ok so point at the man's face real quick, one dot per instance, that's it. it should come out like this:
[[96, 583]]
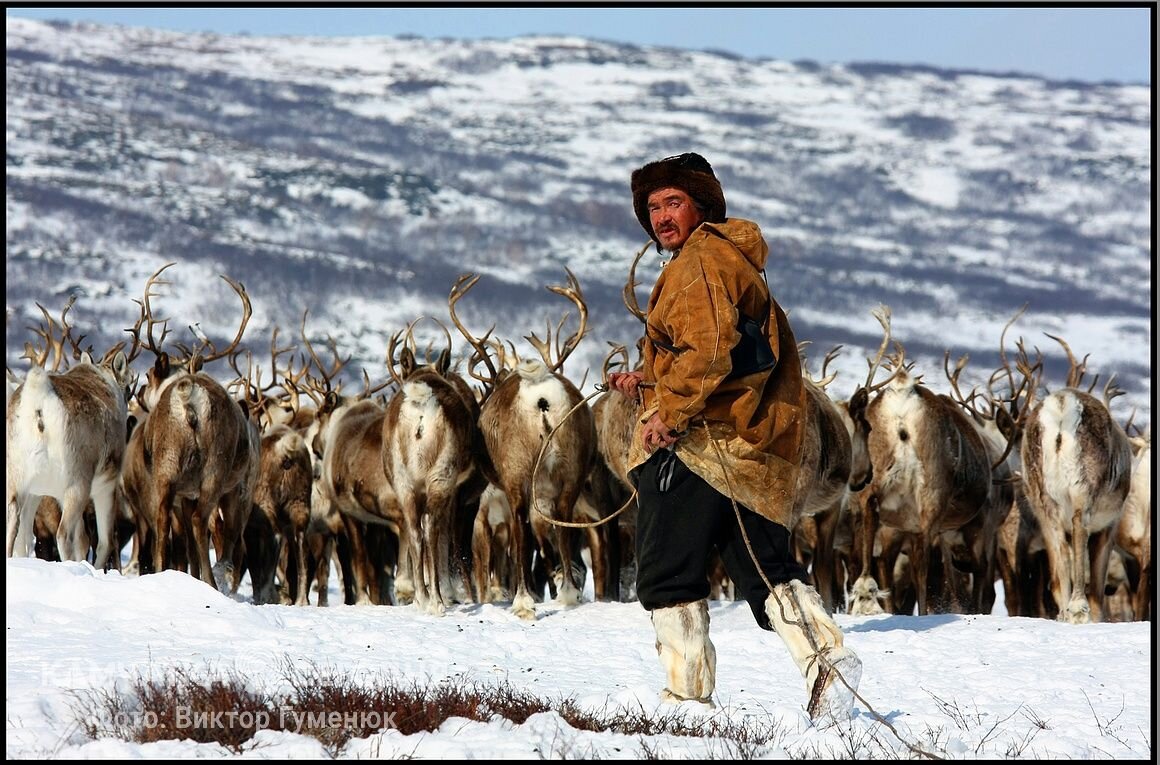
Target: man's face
[[673, 216]]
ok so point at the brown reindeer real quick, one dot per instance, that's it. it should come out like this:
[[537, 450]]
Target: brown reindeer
[[199, 449], [281, 514], [1077, 464], [609, 484], [974, 548], [535, 421], [1134, 534], [823, 480], [65, 439], [348, 435], [282, 538], [929, 470]]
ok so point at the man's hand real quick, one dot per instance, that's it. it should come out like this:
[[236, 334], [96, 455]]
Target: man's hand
[[626, 383], [656, 435]]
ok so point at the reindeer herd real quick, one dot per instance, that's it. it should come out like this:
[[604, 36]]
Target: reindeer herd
[[500, 481]]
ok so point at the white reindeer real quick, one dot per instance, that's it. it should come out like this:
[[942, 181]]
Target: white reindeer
[[430, 439], [1077, 465], [66, 440]]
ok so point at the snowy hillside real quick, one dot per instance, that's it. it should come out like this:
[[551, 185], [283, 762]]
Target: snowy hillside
[[357, 178]]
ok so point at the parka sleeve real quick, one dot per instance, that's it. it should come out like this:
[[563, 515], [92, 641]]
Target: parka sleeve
[[700, 315]]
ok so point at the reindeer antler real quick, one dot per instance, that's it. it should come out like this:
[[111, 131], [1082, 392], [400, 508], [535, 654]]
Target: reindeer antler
[[153, 345], [967, 402], [1076, 369], [629, 292], [207, 344], [882, 314], [562, 350], [618, 350], [480, 354], [324, 383]]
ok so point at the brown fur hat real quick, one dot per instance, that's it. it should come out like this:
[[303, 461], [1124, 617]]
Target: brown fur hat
[[689, 172]]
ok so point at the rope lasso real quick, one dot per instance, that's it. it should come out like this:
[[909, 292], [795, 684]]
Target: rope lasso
[[600, 388], [818, 655]]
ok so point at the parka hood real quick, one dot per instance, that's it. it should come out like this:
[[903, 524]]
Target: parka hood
[[745, 235]]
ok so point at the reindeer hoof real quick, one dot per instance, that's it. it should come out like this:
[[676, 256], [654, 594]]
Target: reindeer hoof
[[404, 593], [133, 569], [1078, 612], [525, 608], [223, 575], [568, 597]]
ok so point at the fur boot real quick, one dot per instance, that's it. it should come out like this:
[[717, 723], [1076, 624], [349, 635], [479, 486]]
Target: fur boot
[[686, 653], [814, 641]]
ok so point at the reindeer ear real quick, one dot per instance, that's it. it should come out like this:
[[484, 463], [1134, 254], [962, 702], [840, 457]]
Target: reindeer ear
[[858, 403], [407, 362], [444, 363], [1004, 422], [120, 367], [161, 366], [330, 403]]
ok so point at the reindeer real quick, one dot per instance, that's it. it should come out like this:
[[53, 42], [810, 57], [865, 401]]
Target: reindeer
[[430, 445], [199, 449], [974, 547], [1077, 464], [929, 470], [353, 491], [1015, 550], [66, 439], [823, 480], [535, 421], [281, 511], [609, 484], [279, 525], [1134, 534]]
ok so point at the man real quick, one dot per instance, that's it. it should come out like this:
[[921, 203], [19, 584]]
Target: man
[[717, 446]]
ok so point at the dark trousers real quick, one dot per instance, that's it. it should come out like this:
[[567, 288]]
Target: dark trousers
[[681, 519]]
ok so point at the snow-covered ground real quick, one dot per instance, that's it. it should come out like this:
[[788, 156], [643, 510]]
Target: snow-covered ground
[[964, 687]]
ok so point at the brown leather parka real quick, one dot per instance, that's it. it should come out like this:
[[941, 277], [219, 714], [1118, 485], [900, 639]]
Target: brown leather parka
[[743, 435]]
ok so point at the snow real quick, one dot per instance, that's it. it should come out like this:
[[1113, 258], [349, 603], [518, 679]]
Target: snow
[[965, 687]]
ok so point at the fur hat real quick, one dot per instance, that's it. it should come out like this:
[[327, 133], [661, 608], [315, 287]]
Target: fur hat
[[689, 172]]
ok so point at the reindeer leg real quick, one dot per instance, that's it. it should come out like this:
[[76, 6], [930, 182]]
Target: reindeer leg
[[322, 569], [200, 517], [481, 539], [523, 605], [1098, 571], [441, 514], [866, 530], [297, 541], [568, 593], [354, 563], [598, 551], [71, 537], [920, 570], [824, 558], [228, 541], [21, 519], [1059, 556], [411, 538], [1077, 609], [103, 491]]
